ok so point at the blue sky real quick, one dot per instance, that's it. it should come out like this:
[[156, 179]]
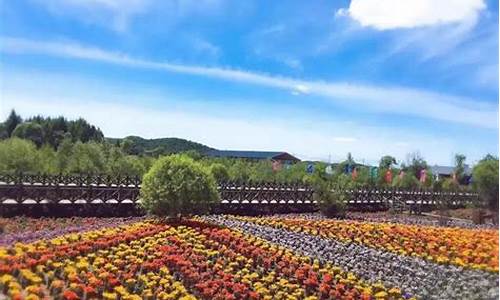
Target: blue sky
[[315, 78]]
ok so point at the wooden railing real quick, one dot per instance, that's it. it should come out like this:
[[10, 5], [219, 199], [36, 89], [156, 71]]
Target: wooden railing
[[63, 189]]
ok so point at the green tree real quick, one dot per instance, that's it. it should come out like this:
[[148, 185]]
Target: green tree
[[415, 163], [460, 167], [331, 198], [449, 185], [386, 162], [238, 170], [261, 171], [12, 121], [408, 181], [29, 131], [64, 155], [485, 181], [82, 131], [17, 155], [220, 172], [3, 131], [177, 185], [47, 160], [87, 158], [127, 146]]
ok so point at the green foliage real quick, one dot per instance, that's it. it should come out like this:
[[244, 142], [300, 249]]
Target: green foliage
[[64, 155], [460, 166], [29, 131], [135, 145], [450, 185], [51, 131], [17, 155], [485, 181], [177, 185], [47, 160], [386, 162], [331, 199], [415, 163], [87, 158], [409, 181], [120, 163], [220, 172], [11, 123], [3, 131], [21, 155], [239, 170]]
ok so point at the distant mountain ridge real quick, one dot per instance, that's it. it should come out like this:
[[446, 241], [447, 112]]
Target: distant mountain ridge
[[160, 146]]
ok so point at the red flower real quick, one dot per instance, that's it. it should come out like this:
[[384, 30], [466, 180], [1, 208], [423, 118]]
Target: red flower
[[70, 295]]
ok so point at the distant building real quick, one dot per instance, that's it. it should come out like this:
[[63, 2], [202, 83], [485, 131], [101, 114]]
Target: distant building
[[282, 157], [441, 172]]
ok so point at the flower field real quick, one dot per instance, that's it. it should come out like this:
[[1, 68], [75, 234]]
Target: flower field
[[228, 257]]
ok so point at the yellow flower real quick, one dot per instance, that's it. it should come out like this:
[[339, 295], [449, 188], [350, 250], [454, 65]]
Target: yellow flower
[[381, 295], [109, 296]]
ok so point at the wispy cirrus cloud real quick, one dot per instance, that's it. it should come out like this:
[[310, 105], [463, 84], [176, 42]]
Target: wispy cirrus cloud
[[396, 100], [118, 14], [114, 13]]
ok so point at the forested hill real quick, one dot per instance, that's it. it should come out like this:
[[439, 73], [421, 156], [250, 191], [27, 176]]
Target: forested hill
[[138, 145], [52, 131]]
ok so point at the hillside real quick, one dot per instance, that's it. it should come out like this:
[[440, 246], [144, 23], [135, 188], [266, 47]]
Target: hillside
[[138, 145]]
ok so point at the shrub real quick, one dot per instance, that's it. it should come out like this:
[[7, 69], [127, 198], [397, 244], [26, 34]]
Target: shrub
[[220, 172], [17, 155], [177, 185], [331, 203], [409, 181], [485, 181]]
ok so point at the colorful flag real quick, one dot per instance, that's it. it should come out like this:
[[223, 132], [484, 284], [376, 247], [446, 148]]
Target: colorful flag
[[354, 174], [388, 176], [276, 165], [401, 174], [423, 175], [310, 168]]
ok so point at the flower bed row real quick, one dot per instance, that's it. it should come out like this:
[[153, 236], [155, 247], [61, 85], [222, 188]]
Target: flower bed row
[[476, 249], [149, 260], [26, 230], [422, 278]]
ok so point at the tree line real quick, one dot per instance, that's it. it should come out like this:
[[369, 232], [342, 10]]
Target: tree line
[[60, 146]]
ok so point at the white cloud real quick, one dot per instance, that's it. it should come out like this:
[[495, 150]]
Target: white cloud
[[205, 47], [398, 100], [392, 14]]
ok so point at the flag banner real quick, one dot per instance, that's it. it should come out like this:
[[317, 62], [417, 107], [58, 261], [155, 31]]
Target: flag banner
[[423, 175], [310, 168], [401, 174], [276, 165], [388, 176], [354, 174], [349, 169]]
